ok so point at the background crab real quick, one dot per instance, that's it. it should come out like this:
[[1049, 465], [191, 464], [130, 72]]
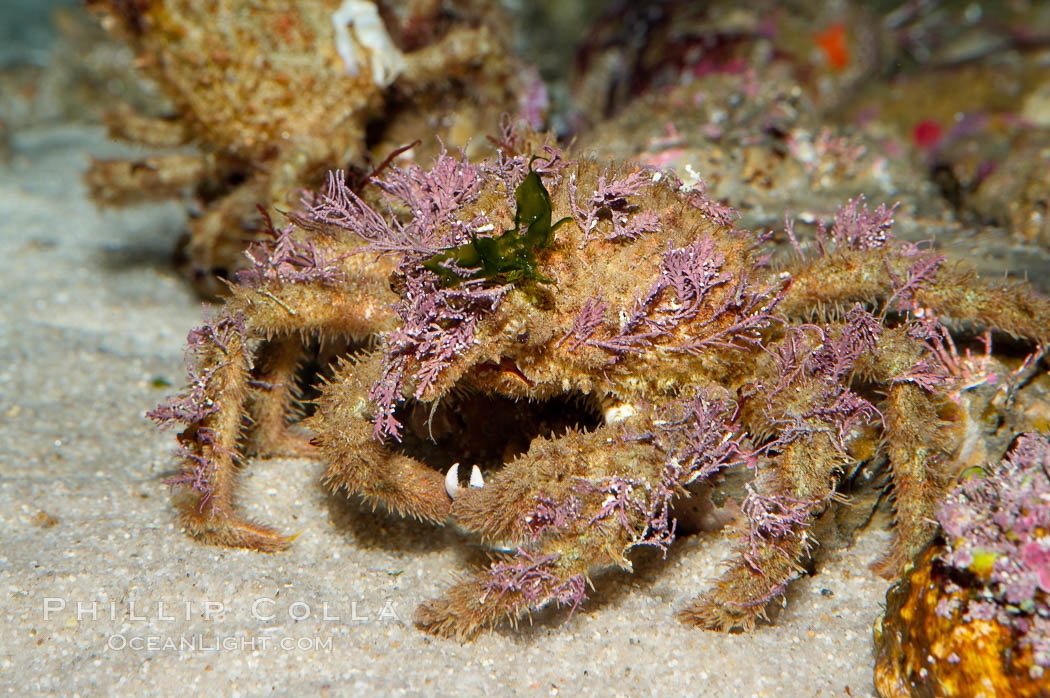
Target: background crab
[[275, 95], [593, 343]]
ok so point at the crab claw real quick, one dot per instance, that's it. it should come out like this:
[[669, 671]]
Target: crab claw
[[452, 480]]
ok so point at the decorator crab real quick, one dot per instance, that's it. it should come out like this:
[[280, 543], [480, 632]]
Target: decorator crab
[[591, 342], [274, 94]]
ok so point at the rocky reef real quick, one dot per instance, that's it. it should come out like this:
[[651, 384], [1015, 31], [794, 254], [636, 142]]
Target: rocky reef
[[970, 617]]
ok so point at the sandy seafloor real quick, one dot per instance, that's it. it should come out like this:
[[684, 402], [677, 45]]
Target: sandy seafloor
[[103, 594]]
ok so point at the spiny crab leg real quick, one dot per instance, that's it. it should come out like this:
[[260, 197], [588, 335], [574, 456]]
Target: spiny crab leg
[[242, 393], [452, 480], [361, 465], [150, 178], [565, 508], [783, 498]]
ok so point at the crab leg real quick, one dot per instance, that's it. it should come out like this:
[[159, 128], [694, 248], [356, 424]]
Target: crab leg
[[506, 591], [151, 178], [841, 279], [124, 123], [211, 241], [571, 505], [274, 397], [226, 391], [208, 506], [803, 475], [919, 441], [360, 464], [771, 559], [799, 410]]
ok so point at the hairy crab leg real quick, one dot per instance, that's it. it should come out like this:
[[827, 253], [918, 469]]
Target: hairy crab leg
[[210, 239], [920, 443], [225, 393], [125, 123], [207, 505], [274, 398], [799, 407], [509, 589], [150, 178], [362, 465], [770, 559], [570, 505], [456, 53], [809, 416], [840, 279]]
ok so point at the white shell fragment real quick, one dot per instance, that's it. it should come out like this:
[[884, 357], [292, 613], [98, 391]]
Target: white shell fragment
[[370, 33], [618, 412]]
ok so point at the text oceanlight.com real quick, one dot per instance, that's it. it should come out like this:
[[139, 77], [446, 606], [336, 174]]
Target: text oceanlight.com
[[203, 643]]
